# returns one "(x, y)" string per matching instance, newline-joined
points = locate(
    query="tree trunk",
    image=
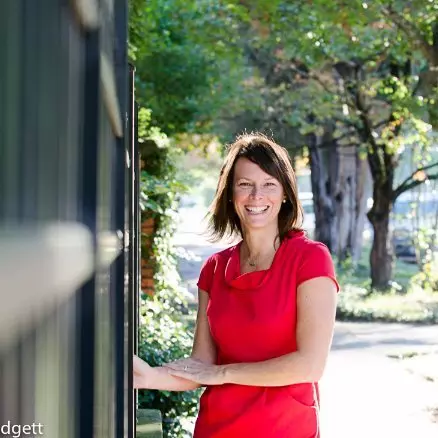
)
(350, 202)
(322, 176)
(381, 257)
(363, 192)
(340, 186)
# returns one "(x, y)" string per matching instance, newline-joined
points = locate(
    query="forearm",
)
(289, 369)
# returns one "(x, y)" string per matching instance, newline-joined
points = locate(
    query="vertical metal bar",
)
(122, 212)
(11, 125)
(29, 141)
(133, 256)
(137, 228)
(88, 215)
(118, 291)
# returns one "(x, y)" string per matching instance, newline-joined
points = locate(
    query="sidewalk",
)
(366, 394)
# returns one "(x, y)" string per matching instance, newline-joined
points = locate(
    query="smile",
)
(257, 210)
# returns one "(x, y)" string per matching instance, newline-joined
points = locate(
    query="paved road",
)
(367, 394)
(364, 393)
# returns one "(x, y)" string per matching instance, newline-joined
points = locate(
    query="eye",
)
(244, 184)
(270, 184)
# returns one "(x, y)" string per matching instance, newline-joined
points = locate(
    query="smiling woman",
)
(266, 307)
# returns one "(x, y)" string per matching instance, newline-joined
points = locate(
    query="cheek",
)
(239, 197)
(277, 199)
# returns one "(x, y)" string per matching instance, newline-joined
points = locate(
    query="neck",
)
(260, 242)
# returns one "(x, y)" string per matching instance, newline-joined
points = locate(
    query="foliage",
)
(365, 44)
(163, 331)
(357, 304)
(165, 338)
(160, 187)
(185, 72)
(370, 71)
(404, 302)
(426, 245)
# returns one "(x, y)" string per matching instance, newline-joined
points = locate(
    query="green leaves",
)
(164, 337)
(186, 55)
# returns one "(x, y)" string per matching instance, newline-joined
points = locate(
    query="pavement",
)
(365, 391)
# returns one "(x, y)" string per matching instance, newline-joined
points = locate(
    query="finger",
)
(179, 366)
(174, 366)
(183, 375)
(178, 362)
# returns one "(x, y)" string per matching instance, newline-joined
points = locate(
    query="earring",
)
(284, 201)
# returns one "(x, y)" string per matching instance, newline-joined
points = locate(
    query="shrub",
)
(163, 336)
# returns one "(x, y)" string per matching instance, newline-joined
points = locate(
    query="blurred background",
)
(114, 121)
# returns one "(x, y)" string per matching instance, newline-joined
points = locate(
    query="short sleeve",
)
(316, 262)
(206, 275)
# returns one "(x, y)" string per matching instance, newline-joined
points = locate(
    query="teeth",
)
(256, 209)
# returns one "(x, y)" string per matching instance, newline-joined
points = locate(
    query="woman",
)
(266, 308)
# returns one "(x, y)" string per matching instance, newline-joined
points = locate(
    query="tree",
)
(352, 77)
(379, 59)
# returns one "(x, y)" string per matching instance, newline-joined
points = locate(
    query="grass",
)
(405, 302)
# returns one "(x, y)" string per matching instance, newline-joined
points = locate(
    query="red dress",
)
(252, 318)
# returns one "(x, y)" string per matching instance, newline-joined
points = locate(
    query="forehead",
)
(245, 168)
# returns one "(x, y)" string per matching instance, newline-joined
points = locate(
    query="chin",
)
(257, 225)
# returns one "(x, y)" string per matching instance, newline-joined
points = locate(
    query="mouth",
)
(257, 210)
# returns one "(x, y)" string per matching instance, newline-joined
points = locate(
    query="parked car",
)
(412, 211)
(404, 245)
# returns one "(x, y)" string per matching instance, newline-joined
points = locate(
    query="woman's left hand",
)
(197, 371)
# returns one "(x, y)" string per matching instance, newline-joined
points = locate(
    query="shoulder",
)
(313, 259)
(304, 248)
(218, 258)
(213, 264)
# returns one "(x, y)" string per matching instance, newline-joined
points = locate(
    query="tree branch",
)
(381, 123)
(410, 182)
(315, 77)
(414, 184)
(412, 32)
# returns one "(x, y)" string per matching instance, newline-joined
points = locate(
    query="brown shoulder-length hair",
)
(272, 159)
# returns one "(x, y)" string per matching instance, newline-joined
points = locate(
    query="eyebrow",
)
(249, 179)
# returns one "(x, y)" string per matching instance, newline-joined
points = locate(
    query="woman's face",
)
(257, 196)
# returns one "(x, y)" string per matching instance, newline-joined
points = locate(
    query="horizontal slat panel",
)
(39, 267)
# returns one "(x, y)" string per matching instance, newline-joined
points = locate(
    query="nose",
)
(256, 192)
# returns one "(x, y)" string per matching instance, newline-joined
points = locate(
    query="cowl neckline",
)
(253, 280)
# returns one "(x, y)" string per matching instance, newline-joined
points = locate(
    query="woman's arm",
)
(316, 304)
(204, 350)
